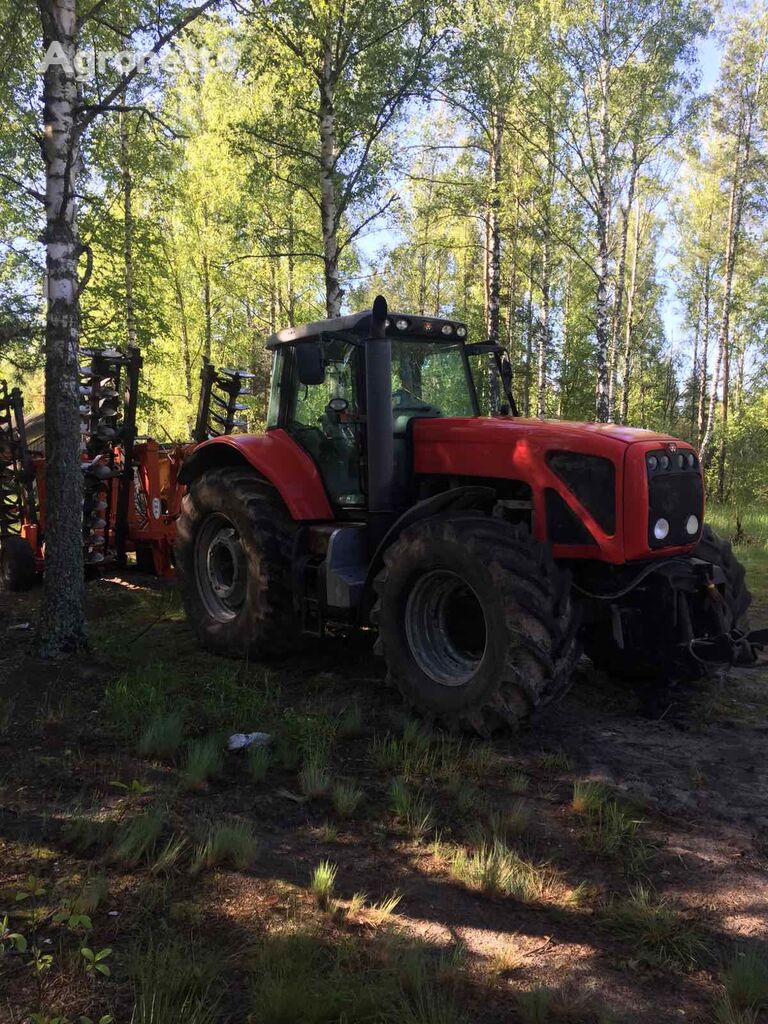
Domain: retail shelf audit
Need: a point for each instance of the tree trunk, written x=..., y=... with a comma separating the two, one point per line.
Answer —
x=603, y=197
x=721, y=455
x=529, y=344
x=619, y=302
x=627, y=361
x=125, y=168
x=62, y=617
x=545, y=330
x=494, y=254
x=328, y=206
x=704, y=357
x=722, y=337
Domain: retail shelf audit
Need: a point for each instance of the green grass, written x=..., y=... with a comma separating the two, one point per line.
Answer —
x=418, y=754
x=258, y=758
x=162, y=737
x=314, y=780
x=169, y=856
x=137, y=838
x=204, y=761
x=232, y=844
x=498, y=871
x=93, y=893
x=611, y=829
x=658, y=935
x=304, y=978
x=411, y=809
x=554, y=761
x=505, y=822
x=346, y=797
x=517, y=782
x=567, y=1005
x=588, y=796
x=322, y=883
x=744, y=977
x=173, y=981
x=87, y=835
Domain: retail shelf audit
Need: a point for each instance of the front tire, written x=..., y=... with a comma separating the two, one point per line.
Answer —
x=233, y=559
x=475, y=622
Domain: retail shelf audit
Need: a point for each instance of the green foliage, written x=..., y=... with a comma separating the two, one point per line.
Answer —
x=204, y=761
x=346, y=798
x=497, y=870
x=137, y=838
x=162, y=736
x=658, y=934
x=232, y=843
x=322, y=883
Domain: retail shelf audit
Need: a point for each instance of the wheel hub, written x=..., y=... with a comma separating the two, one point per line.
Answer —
x=445, y=627
x=220, y=567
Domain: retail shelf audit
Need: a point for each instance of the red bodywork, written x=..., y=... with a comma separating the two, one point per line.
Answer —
x=516, y=449
x=277, y=457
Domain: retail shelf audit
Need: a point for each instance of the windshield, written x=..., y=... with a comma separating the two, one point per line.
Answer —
x=431, y=374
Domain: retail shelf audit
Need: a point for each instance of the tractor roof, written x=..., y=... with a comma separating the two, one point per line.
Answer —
x=426, y=327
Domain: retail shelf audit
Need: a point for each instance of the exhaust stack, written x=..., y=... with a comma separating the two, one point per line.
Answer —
x=379, y=418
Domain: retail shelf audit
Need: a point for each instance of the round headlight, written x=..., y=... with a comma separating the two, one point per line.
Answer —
x=680, y=460
x=461, y=331
x=691, y=526
x=401, y=325
x=447, y=329
x=660, y=529
x=664, y=461
x=653, y=462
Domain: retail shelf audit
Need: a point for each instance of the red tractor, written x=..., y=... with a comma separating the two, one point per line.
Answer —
x=486, y=551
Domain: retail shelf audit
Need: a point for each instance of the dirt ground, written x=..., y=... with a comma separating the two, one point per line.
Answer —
x=695, y=777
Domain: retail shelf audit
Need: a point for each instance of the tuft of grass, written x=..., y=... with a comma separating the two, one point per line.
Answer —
x=417, y=754
x=205, y=760
x=555, y=761
x=517, y=782
x=258, y=761
x=412, y=809
x=745, y=981
x=357, y=903
x=322, y=883
x=232, y=844
x=351, y=723
x=170, y=855
x=86, y=835
x=162, y=736
x=346, y=798
x=611, y=831
x=92, y=895
x=481, y=761
x=495, y=869
x=567, y=1005
x=328, y=832
x=588, y=796
x=509, y=958
x=314, y=780
x=510, y=821
x=659, y=935
x=466, y=797
x=384, y=909
x=173, y=983
x=137, y=838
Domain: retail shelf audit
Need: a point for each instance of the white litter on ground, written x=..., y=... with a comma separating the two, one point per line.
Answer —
x=239, y=740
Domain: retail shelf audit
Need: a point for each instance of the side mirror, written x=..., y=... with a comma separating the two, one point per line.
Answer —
x=309, y=363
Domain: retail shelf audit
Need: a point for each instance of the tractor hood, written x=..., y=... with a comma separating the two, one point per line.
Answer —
x=503, y=430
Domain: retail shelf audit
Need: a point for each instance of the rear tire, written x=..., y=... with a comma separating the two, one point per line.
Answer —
x=233, y=560
x=475, y=622
x=17, y=564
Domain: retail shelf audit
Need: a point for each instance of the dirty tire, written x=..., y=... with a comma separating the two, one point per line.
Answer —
x=718, y=550
x=606, y=655
x=17, y=564
x=475, y=622
x=233, y=559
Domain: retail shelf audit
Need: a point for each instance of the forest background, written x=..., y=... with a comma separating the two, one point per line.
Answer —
x=582, y=181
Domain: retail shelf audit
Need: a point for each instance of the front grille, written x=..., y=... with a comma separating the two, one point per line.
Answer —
x=674, y=494
x=593, y=480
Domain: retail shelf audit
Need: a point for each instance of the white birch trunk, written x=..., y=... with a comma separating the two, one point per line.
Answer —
x=62, y=616
x=603, y=202
x=328, y=205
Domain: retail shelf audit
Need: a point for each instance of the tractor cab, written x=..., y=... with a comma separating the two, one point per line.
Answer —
x=319, y=394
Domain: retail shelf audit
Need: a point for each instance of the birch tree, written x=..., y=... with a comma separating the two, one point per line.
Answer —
x=343, y=73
